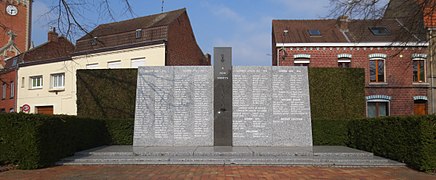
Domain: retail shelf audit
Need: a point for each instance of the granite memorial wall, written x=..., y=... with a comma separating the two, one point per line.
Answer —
x=174, y=106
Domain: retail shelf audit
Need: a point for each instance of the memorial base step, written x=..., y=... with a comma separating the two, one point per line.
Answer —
x=316, y=156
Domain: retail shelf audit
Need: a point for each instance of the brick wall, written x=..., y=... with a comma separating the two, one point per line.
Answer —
x=398, y=71
x=182, y=48
x=18, y=24
x=8, y=77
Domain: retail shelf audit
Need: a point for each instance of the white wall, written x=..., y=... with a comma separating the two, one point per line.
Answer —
x=64, y=100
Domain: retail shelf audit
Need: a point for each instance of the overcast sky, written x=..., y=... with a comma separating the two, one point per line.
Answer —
x=244, y=25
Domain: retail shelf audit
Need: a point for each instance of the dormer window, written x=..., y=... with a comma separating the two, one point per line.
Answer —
x=94, y=41
x=379, y=31
x=138, y=33
x=314, y=32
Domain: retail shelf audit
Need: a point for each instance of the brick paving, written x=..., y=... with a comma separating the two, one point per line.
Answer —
x=125, y=172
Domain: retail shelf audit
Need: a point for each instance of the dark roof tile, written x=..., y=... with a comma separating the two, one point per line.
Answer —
x=298, y=31
x=358, y=31
x=154, y=28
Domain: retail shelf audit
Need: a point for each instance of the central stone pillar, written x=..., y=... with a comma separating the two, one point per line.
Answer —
x=223, y=96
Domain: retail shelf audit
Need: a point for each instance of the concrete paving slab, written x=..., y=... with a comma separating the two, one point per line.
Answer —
x=316, y=156
x=223, y=151
x=164, y=151
x=282, y=151
x=108, y=150
x=338, y=151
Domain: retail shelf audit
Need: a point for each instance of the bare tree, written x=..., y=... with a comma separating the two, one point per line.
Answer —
x=70, y=16
x=414, y=15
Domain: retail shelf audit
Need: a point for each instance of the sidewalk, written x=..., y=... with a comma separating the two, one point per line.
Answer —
x=213, y=172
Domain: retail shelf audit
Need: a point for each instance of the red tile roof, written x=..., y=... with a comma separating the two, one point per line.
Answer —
x=298, y=31
x=358, y=31
x=154, y=28
x=61, y=48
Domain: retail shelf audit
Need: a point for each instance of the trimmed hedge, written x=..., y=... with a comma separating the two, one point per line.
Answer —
x=411, y=140
x=337, y=93
x=120, y=131
x=330, y=132
x=106, y=93
x=35, y=141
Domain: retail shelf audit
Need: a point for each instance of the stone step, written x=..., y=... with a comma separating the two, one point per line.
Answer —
x=225, y=155
x=227, y=151
x=217, y=160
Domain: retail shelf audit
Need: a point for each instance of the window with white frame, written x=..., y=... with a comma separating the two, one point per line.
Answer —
x=4, y=91
x=12, y=94
x=418, y=65
x=114, y=64
x=135, y=63
x=301, y=60
x=378, y=106
x=36, y=82
x=58, y=81
x=92, y=66
x=138, y=33
x=377, y=68
x=378, y=109
x=344, y=60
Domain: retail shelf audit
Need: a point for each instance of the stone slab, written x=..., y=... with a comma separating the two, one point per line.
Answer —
x=187, y=155
x=223, y=151
x=282, y=151
x=271, y=106
x=174, y=106
x=165, y=151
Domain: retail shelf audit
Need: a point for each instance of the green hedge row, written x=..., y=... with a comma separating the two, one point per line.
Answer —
x=337, y=93
x=34, y=141
x=411, y=140
x=329, y=132
x=120, y=131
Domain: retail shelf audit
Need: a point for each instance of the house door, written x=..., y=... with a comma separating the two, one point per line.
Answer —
x=44, y=110
x=420, y=108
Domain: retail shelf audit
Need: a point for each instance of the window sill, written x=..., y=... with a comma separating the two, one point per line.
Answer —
x=56, y=90
x=421, y=84
x=36, y=88
x=378, y=83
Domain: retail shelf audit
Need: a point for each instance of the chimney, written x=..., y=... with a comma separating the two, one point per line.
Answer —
x=52, y=35
x=343, y=23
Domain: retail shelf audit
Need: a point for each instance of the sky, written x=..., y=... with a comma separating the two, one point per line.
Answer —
x=244, y=25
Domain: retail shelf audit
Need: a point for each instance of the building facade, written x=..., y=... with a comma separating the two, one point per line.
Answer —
x=164, y=39
x=15, y=24
x=396, y=77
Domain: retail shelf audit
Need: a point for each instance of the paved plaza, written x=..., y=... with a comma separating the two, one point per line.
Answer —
x=213, y=172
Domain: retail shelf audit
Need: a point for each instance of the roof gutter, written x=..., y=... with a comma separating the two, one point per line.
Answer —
x=364, y=44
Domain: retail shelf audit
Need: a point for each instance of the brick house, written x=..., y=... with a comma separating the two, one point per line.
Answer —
x=170, y=31
x=164, y=39
x=54, y=48
x=396, y=77
x=15, y=22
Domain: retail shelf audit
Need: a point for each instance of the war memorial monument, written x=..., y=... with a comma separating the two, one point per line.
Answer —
x=223, y=105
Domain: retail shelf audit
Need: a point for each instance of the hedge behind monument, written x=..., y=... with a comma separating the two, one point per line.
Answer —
x=336, y=93
x=106, y=93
